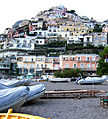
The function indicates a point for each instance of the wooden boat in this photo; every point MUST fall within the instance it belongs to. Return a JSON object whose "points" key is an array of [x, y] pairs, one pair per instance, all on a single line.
{"points": [[11, 115]]}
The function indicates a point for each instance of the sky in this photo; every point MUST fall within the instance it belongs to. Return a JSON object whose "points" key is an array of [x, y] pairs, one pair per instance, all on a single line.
{"points": [[15, 10]]}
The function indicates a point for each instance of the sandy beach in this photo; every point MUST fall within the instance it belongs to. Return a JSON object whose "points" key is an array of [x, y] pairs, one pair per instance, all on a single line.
{"points": [[69, 108]]}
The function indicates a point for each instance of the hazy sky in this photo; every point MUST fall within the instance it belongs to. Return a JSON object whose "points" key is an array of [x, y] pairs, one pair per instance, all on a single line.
{"points": [[14, 10]]}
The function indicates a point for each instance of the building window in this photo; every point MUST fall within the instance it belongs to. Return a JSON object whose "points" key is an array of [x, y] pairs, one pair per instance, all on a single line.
{"points": [[25, 71], [44, 33], [65, 35], [49, 30], [25, 59], [79, 58], [20, 71], [37, 66], [31, 59], [82, 66], [67, 29], [93, 65], [67, 65], [24, 65], [45, 66], [64, 58], [87, 58], [40, 33], [74, 65], [93, 58], [73, 58], [88, 39], [88, 65], [40, 41], [36, 33], [54, 30], [37, 41], [42, 66], [32, 71], [31, 65], [19, 65], [41, 59]]}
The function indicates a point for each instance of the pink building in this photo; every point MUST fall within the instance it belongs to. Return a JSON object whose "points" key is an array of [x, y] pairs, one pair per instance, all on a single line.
{"points": [[87, 62], [56, 63]]}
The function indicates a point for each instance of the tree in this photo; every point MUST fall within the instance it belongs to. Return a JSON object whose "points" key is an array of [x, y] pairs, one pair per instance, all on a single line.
{"points": [[102, 68], [97, 28], [68, 73]]}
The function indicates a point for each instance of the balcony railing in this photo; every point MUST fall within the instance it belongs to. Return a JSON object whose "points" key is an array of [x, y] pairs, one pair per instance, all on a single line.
{"points": [[29, 61]]}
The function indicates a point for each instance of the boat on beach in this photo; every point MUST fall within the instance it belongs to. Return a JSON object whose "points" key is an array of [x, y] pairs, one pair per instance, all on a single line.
{"points": [[10, 83], [12, 98], [91, 80], [35, 92], [60, 80], [11, 115]]}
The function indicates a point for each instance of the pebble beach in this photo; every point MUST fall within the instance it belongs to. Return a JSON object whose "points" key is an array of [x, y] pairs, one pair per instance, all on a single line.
{"points": [[69, 108]]}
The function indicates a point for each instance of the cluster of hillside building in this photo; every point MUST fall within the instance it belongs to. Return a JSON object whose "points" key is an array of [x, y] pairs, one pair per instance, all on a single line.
{"points": [[56, 24]]}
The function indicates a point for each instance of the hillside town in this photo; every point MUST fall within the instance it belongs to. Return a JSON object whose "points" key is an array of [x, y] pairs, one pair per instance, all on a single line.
{"points": [[53, 40], [55, 64]]}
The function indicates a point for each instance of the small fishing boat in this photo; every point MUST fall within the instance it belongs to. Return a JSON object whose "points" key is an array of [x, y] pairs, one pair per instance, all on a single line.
{"points": [[12, 98], [91, 80], [11, 115]]}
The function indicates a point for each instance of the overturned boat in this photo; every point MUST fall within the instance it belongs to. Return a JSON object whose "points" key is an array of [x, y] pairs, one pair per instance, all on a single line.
{"points": [[12, 98], [90, 80]]}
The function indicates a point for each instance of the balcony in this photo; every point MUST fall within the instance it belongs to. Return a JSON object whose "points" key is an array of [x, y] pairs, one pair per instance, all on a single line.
{"points": [[29, 61], [79, 60]]}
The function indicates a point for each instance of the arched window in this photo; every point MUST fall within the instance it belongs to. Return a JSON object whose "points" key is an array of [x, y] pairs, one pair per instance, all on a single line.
{"points": [[32, 71], [25, 71], [20, 71]]}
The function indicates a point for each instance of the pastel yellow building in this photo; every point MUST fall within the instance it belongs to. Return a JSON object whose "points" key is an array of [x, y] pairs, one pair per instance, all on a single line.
{"points": [[34, 64], [74, 30]]}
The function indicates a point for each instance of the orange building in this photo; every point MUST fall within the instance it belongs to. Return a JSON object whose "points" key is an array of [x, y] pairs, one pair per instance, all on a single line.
{"points": [[86, 62]]}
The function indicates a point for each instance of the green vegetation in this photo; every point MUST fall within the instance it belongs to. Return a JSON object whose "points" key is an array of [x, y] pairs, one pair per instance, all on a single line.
{"points": [[80, 49], [97, 28], [68, 73], [102, 65], [71, 11], [57, 44], [55, 48]]}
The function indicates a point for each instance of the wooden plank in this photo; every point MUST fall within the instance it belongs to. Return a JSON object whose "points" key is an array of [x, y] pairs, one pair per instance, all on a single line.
{"points": [[71, 93]]}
